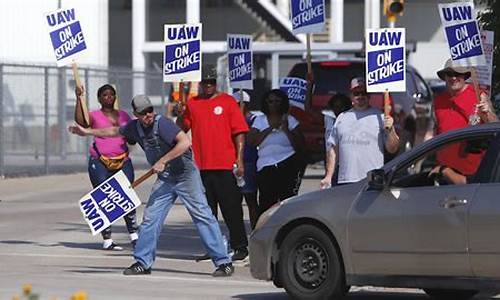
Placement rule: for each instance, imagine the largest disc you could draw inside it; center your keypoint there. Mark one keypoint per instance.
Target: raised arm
(80, 115)
(392, 141)
(295, 135)
(99, 132)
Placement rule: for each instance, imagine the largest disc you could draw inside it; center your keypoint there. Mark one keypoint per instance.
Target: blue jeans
(189, 189)
(98, 174)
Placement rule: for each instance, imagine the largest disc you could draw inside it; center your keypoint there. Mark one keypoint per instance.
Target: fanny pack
(112, 163)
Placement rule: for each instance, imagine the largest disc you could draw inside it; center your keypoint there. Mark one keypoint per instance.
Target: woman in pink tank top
(110, 147)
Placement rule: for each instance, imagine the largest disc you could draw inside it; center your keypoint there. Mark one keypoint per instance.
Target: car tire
(447, 294)
(310, 266)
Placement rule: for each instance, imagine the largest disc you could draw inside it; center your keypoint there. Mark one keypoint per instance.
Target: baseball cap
(449, 67)
(209, 74)
(358, 83)
(237, 96)
(140, 103)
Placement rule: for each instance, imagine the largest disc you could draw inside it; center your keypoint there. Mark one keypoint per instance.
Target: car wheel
(446, 294)
(309, 265)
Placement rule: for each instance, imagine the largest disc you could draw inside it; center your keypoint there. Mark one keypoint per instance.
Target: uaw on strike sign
(296, 89)
(182, 55)
(385, 60)
(108, 202)
(307, 16)
(239, 55)
(66, 35)
(462, 33)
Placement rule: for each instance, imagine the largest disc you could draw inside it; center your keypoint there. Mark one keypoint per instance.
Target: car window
(410, 84)
(422, 87)
(471, 153)
(330, 77)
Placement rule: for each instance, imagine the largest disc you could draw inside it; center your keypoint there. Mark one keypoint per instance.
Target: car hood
(327, 206)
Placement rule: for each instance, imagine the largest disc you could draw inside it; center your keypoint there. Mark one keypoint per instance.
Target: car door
(484, 216)
(413, 226)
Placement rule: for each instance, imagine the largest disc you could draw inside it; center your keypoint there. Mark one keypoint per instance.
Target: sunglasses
(145, 111)
(453, 74)
(359, 93)
(209, 81)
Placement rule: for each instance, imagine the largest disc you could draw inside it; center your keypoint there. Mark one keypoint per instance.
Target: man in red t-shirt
(218, 131)
(452, 110)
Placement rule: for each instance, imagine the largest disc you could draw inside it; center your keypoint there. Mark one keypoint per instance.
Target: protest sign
(462, 33)
(385, 60)
(307, 16)
(239, 54)
(66, 35)
(484, 72)
(108, 202)
(296, 89)
(182, 55)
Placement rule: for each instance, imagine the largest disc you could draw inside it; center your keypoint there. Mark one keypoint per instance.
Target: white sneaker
(109, 245)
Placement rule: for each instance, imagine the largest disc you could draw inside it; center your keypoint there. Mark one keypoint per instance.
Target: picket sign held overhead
(109, 202)
(68, 42)
(182, 52)
(240, 61)
(296, 89)
(307, 16)
(462, 33)
(484, 72)
(385, 60)
(66, 35)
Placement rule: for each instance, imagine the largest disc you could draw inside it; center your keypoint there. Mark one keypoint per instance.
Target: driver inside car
(489, 160)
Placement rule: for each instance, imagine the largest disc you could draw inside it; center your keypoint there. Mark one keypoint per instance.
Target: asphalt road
(45, 242)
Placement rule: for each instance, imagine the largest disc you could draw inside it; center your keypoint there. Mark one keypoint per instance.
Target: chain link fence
(37, 105)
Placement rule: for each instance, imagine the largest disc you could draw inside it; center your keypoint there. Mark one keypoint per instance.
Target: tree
(489, 19)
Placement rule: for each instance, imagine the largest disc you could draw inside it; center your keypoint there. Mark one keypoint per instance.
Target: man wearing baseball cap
(167, 149)
(454, 109)
(358, 139)
(218, 131)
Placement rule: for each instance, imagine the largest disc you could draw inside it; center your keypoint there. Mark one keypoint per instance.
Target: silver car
(400, 227)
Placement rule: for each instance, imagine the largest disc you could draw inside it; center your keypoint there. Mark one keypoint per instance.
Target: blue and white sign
(307, 16)
(108, 202)
(239, 56)
(462, 33)
(182, 55)
(484, 72)
(296, 89)
(385, 60)
(66, 35)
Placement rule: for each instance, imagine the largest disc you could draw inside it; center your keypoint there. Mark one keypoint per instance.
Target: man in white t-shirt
(358, 139)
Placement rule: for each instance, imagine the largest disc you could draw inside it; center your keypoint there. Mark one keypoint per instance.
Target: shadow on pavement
(15, 242)
(119, 270)
(263, 296)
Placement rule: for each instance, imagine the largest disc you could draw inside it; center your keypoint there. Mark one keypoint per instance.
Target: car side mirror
(376, 179)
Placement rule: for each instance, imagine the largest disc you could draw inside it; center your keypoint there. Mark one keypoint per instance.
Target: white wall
(24, 36)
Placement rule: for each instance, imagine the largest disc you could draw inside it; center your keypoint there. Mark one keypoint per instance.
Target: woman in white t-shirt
(280, 142)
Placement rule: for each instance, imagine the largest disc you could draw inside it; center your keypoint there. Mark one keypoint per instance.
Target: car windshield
(331, 77)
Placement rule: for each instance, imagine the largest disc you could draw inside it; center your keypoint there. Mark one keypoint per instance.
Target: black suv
(333, 76)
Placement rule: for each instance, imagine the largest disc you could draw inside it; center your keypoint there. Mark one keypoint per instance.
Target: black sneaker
(224, 270)
(136, 269)
(240, 254)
